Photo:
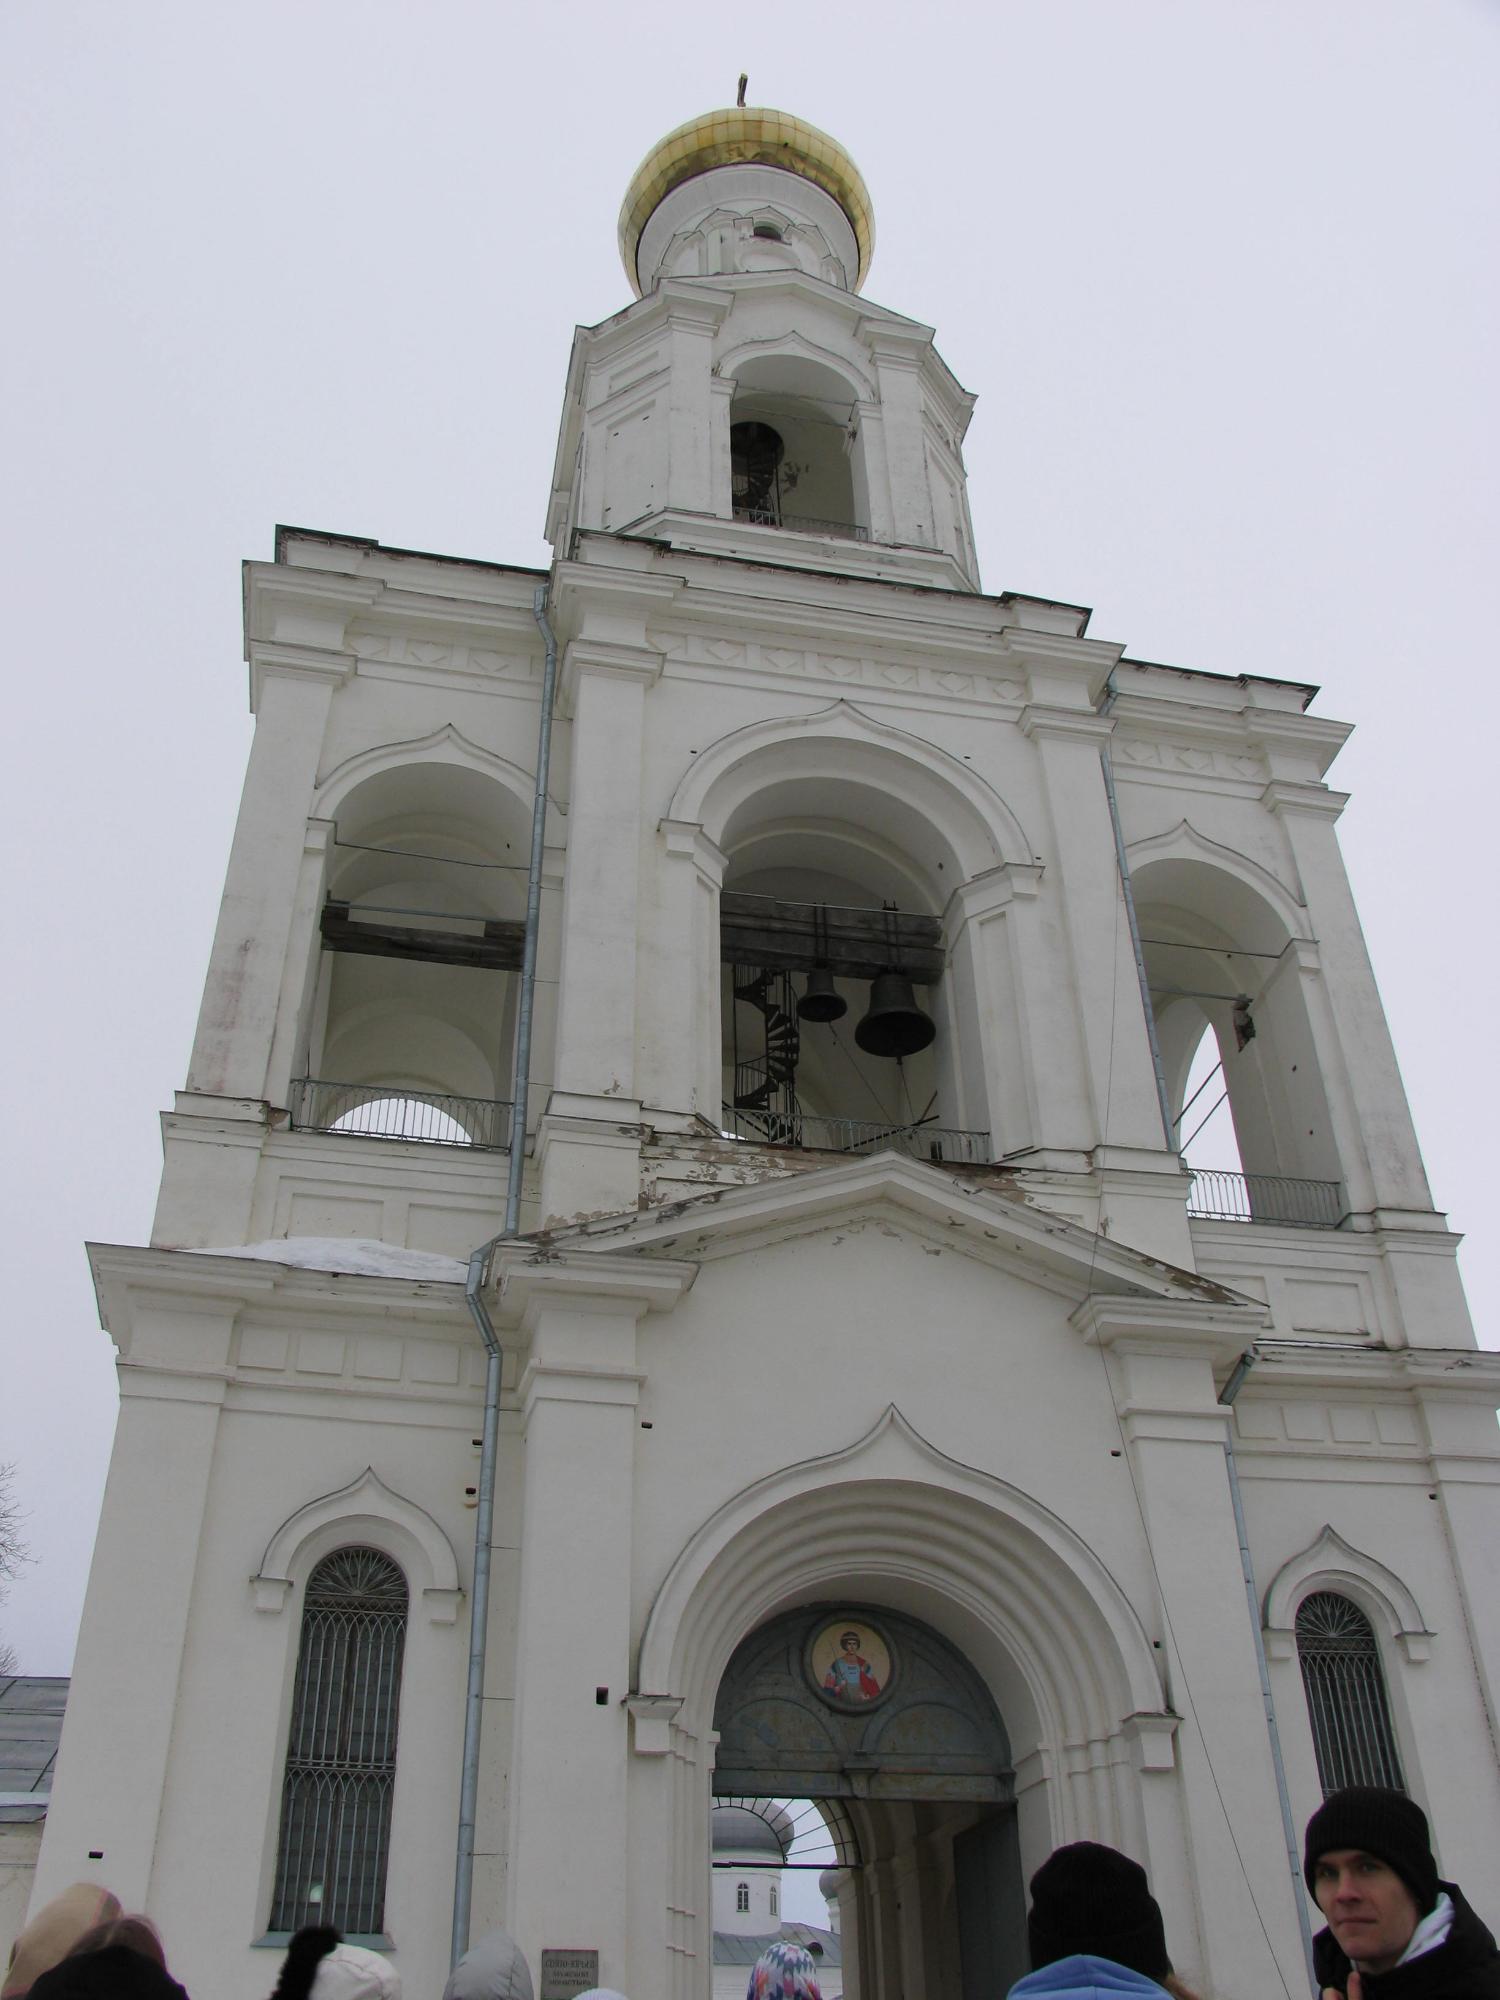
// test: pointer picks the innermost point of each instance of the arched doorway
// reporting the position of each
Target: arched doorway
(887, 1728)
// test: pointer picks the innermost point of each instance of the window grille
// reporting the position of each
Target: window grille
(742, 1896)
(775, 1901)
(341, 1751)
(1346, 1704)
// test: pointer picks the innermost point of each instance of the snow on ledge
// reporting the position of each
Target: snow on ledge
(360, 1255)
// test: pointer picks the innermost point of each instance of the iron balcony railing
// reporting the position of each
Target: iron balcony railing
(809, 1132)
(386, 1111)
(1278, 1198)
(802, 524)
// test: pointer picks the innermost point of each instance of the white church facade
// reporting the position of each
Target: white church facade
(879, 1413)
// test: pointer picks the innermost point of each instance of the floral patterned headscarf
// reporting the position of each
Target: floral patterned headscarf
(784, 1972)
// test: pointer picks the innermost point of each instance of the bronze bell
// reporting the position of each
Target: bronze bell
(822, 1001)
(895, 1025)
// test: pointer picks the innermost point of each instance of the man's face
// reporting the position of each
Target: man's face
(1370, 1910)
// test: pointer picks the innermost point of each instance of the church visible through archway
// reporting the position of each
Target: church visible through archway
(858, 1741)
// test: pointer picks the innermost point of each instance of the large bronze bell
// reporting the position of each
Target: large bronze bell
(822, 1001)
(895, 1025)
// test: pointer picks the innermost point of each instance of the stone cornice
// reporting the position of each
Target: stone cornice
(745, 590)
(530, 1279)
(685, 840)
(272, 661)
(1041, 720)
(1309, 801)
(692, 302)
(128, 1278)
(1314, 1364)
(612, 662)
(985, 895)
(303, 606)
(1220, 1332)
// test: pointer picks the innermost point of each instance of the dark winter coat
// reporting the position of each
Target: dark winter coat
(116, 1973)
(1465, 1966)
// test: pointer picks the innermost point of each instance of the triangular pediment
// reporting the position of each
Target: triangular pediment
(921, 1200)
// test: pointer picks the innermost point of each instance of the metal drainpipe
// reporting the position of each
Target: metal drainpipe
(1135, 929)
(479, 1603)
(1227, 1395)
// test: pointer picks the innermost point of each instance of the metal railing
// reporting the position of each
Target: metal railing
(386, 1111)
(1278, 1198)
(802, 524)
(808, 1132)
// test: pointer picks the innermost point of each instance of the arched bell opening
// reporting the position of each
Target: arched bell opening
(411, 1020)
(795, 455)
(879, 1725)
(837, 1023)
(1238, 1051)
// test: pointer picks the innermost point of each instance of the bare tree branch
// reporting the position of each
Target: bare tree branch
(15, 1552)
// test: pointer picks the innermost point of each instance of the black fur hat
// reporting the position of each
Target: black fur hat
(304, 1955)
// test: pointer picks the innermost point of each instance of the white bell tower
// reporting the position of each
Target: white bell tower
(860, 1286)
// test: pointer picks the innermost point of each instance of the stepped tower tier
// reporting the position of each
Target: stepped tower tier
(750, 404)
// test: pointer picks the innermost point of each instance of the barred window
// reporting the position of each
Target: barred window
(1346, 1704)
(341, 1751)
(742, 1896)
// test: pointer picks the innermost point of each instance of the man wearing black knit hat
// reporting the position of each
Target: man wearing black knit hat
(1395, 1932)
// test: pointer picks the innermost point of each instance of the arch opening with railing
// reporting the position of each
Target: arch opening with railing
(1238, 1051)
(410, 1016)
(836, 1026)
(796, 460)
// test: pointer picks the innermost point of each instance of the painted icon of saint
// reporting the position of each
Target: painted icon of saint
(850, 1677)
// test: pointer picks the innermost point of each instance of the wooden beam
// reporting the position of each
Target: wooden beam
(495, 948)
(800, 937)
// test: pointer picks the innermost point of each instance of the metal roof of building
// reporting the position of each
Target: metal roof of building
(824, 1945)
(31, 1718)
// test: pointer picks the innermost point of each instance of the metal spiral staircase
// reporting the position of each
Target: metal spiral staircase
(765, 1083)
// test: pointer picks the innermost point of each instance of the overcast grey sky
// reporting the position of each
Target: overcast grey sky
(1223, 276)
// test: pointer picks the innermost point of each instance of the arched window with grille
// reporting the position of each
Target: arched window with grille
(742, 1896)
(1346, 1701)
(341, 1749)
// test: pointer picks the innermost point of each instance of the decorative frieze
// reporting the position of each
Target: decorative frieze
(402, 649)
(912, 677)
(1165, 754)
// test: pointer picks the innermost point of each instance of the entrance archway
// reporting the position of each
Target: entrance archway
(887, 1728)
(892, 1522)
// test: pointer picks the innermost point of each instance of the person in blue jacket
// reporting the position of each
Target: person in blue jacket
(1095, 1931)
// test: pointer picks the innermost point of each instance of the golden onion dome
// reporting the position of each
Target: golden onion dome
(746, 136)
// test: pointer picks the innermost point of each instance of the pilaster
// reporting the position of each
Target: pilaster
(1388, 1150)
(680, 1052)
(111, 1780)
(1103, 985)
(568, 1877)
(898, 352)
(608, 678)
(1174, 1430)
(294, 689)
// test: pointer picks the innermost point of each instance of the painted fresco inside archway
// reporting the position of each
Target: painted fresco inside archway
(881, 1726)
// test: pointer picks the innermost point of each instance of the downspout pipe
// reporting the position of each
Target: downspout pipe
(494, 1356)
(1227, 1395)
(1168, 1123)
